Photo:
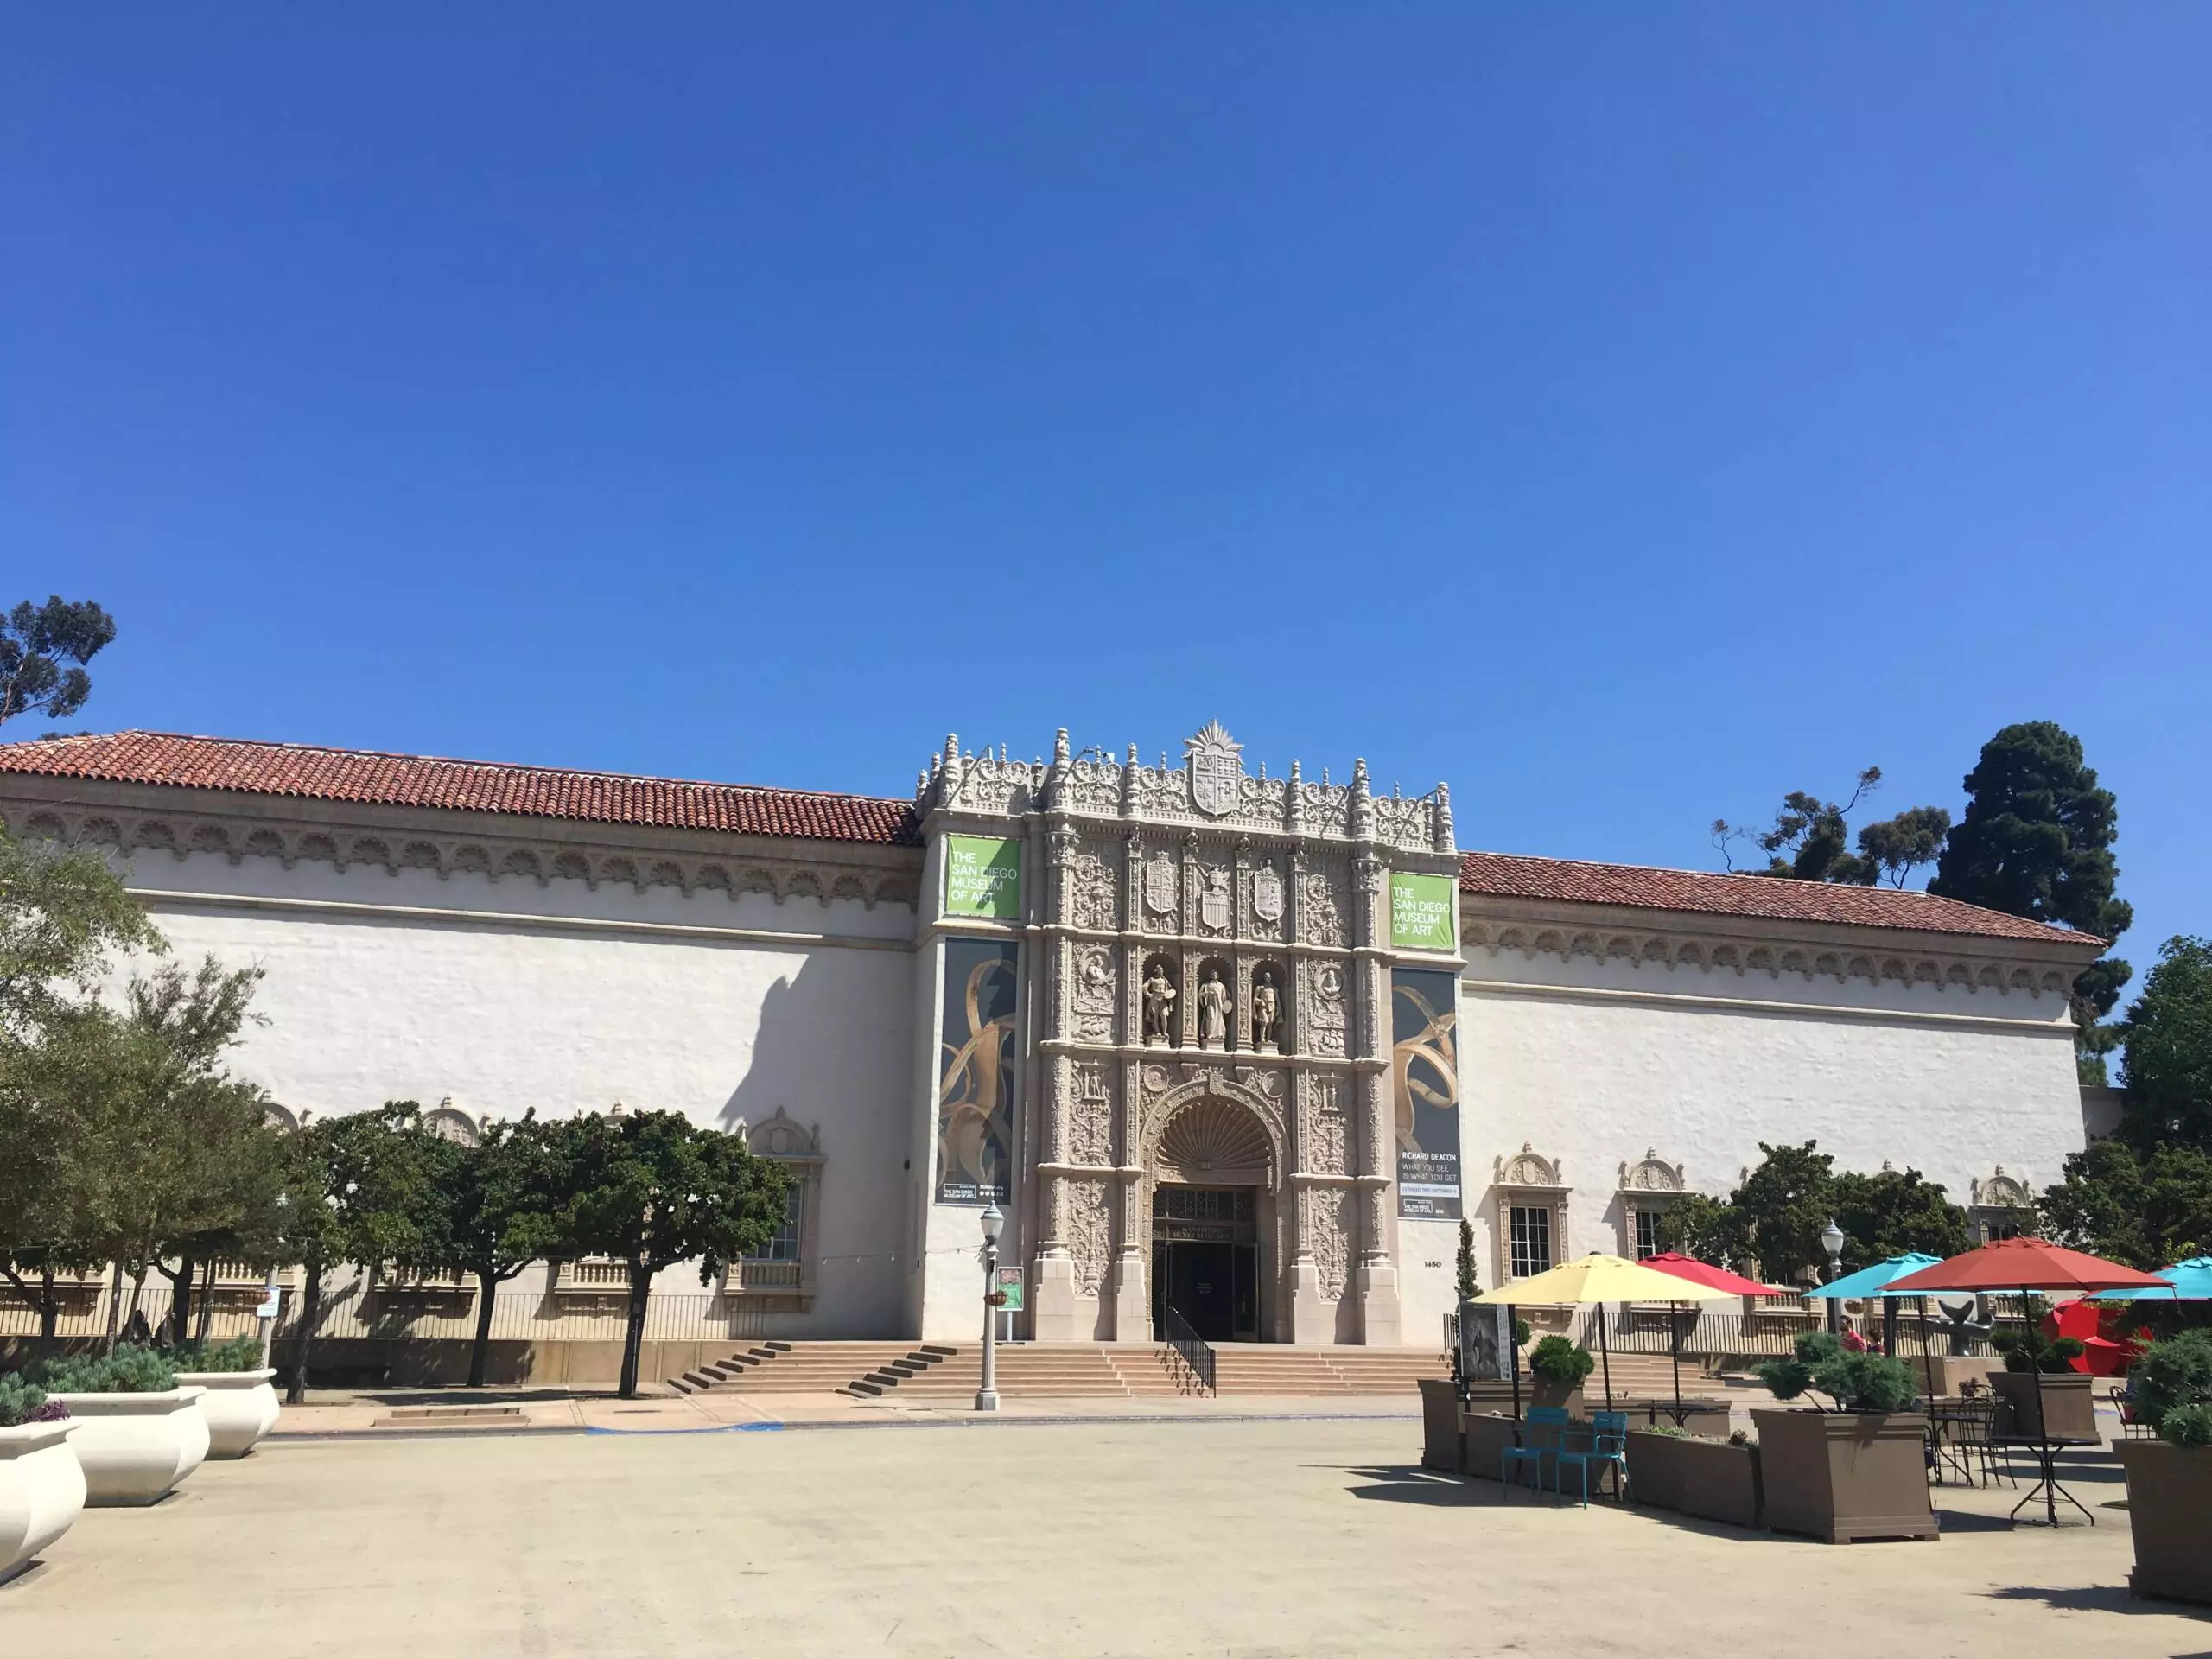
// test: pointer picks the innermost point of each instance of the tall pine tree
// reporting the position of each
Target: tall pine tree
(2037, 841)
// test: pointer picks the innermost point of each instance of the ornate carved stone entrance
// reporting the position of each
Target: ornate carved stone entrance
(1210, 1190)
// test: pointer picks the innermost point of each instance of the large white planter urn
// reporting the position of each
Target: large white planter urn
(136, 1448)
(42, 1491)
(240, 1408)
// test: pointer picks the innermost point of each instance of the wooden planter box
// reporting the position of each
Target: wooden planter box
(2069, 1405)
(1655, 1470)
(1720, 1481)
(1439, 1425)
(1698, 1417)
(1842, 1476)
(1535, 1391)
(1486, 1435)
(2170, 1507)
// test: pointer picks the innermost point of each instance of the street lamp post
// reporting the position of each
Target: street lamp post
(986, 1397)
(1831, 1241)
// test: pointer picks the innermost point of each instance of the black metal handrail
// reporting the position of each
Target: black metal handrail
(1191, 1348)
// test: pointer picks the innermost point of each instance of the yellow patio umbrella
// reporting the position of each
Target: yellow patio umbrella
(1601, 1277)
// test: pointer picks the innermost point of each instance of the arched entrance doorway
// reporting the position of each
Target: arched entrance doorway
(1211, 1186)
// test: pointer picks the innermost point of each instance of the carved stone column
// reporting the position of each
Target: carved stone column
(1380, 1322)
(1312, 1316)
(1057, 1314)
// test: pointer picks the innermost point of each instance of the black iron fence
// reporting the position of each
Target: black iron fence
(1192, 1349)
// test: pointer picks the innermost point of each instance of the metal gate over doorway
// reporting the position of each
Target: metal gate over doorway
(1206, 1261)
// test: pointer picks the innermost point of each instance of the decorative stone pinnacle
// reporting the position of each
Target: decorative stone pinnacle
(1060, 746)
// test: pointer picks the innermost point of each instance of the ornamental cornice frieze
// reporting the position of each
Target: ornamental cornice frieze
(1909, 960)
(448, 843)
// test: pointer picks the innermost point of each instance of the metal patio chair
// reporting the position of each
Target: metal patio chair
(1539, 1422)
(1608, 1449)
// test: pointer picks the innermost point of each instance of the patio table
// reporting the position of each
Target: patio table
(2046, 1448)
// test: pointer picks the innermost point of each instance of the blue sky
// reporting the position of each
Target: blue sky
(1626, 413)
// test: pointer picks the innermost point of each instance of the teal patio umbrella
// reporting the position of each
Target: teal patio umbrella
(2191, 1281)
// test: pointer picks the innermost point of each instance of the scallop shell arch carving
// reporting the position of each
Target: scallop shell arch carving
(1212, 1141)
(1216, 1093)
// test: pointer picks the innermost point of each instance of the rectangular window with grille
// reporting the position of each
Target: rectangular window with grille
(1532, 1240)
(784, 1247)
(1647, 1234)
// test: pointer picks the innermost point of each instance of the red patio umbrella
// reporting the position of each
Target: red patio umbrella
(1698, 1273)
(2025, 1265)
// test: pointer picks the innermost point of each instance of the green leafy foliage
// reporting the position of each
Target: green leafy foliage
(129, 1369)
(496, 1208)
(1787, 1379)
(652, 1189)
(2170, 1373)
(63, 911)
(1558, 1360)
(23, 1401)
(2030, 1350)
(35, 642)
(238, 1354)
(2187, 1426)
(1772, 1222)
(1467, 1284)
(1810, 840)
(1865, 1381)
(2036, 841)
(2168, 1071)
(2145, 1209)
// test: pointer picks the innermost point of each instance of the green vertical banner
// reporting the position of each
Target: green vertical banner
(1424, 911)
(983, 877)
(1425, 1089)
(976, 1073)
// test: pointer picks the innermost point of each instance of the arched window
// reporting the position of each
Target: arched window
(786, 1270)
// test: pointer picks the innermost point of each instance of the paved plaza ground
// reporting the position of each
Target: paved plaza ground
(1215, 1534)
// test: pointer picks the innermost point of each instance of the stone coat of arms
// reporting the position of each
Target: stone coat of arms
(1267, 893)
(1217, 765)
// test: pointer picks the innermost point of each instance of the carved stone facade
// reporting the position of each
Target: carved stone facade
(1209, 949)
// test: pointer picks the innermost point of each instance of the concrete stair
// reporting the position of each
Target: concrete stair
(811, 1366)
(1044, 1371)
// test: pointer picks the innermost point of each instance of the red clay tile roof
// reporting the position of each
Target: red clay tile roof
(1508, 876)
(302, 770)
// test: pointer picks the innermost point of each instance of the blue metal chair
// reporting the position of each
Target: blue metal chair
(1608, 1448)
(1540, 1418)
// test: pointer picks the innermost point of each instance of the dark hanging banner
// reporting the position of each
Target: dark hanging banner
(1425, 1087)
(976, 1071)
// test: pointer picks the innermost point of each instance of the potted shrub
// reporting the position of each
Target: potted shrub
(1654, 1466)
(1556, 1370)
(240, 1402)
(2039, 1386)
(1858, 1471)
(42, 1487)
(2169, 1479)
(1720, 1477)
(138, 1434)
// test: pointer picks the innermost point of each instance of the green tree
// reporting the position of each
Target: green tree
(2036, 841)
(1466, 1281)
(1709, 1228)
(62, 911)
(1893, 1211)
(1810, 840)
(35, 641)
(2143, 1209)
(498, 1208)
(1783, 1205)
(651, 1189)
(2167, 1071)
(360, 1188)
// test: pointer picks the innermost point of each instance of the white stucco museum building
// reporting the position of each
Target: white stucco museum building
(1245, 1046)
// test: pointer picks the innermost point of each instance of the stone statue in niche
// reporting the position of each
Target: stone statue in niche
(1159, 1005)
(1266, 1014)
(1214, 1009)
